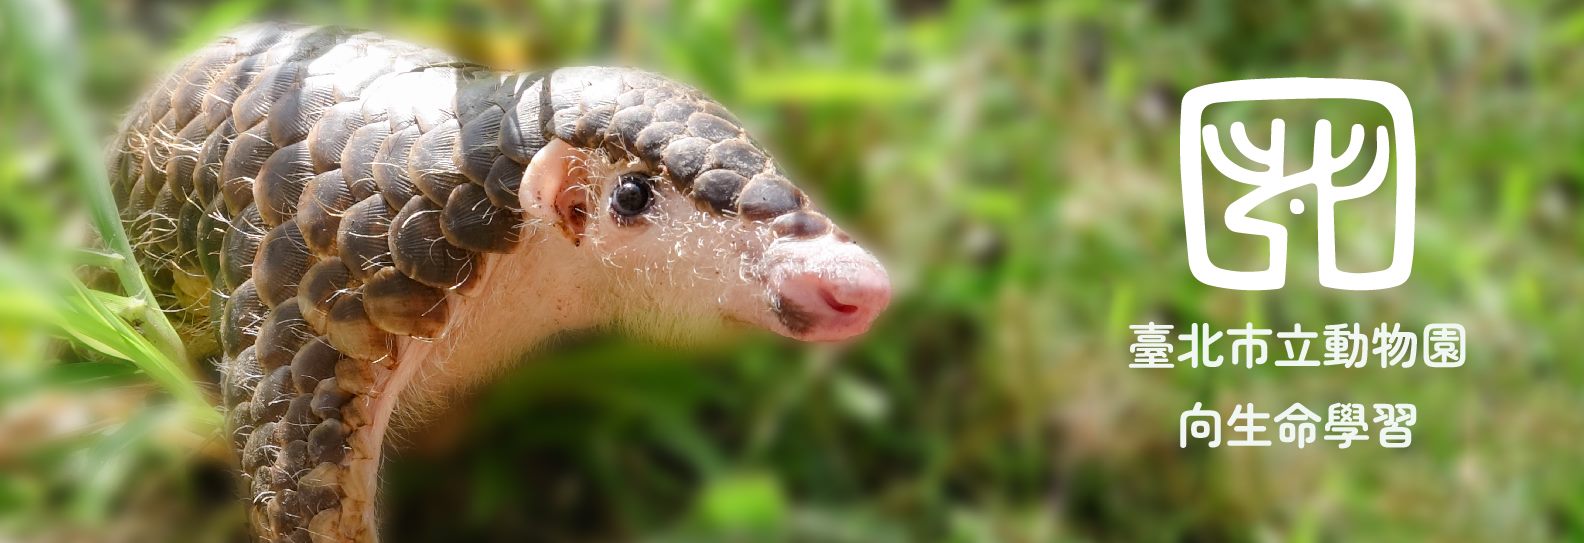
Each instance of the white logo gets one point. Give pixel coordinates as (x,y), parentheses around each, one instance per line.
(1274,181)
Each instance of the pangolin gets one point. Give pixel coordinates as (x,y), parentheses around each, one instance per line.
(348,225)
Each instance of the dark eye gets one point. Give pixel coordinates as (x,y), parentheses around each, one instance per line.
(632,195)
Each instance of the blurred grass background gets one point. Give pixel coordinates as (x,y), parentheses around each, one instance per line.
(1016,166)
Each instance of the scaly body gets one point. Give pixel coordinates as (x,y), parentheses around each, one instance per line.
(350,224)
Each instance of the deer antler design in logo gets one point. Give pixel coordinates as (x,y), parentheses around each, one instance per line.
(1274,181)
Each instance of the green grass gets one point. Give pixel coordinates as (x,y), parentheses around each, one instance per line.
(1014,164)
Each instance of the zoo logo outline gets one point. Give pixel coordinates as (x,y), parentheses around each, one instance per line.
(1197,138)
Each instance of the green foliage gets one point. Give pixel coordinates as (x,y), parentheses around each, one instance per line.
(67,461)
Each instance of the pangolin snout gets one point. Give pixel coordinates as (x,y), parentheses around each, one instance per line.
(826,288)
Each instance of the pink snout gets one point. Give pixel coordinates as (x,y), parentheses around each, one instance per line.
(826,289)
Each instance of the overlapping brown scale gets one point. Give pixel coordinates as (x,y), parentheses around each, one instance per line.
(390,166)
(414,57)
(320,288)
(363,241)
(294,426)
(254,104)
(210,240)
(282,259)
(184,135)
(188,96)
(163,139)
(187,231)
(359,412)
(328,138)
(684,158)
(217,308)
(736,154)
(716,190)
(641,80)
(378,96)
(432,165)
(286,519)
(767,196)
(157,145)
(242,163)
(239,421)
(244,314)
(315,362)
(564,125)
(162,220)
(493,90)
(281,335)
(478,142)
(429,96)
(420,250)
(294,115)
(211,156)
(350,331)
(663,92)
(586,87)
(701,146)
(653,139)
(800,225)
(711,127)
(238,377)
(260,449)
(400,305)
(319,486)
(357,159)
(324,200)
(281,522)
(124,166)
(674,111)
(256,38)
(141,198)
(470,221)
(503,182)
(522,133)
(628,122)
(348,50)
(159,103)
(190,183)
(227,86)
(327,441)
(240,247)
(328,398)
(354,377)
(280,183)
(354,79)
(241,426)
(300,516)
(315,42)
(269,403)
(699,143)
(179,169)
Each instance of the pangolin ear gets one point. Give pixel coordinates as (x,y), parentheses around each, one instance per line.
(556,189)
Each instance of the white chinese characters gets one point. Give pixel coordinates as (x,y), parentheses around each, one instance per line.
(1345,345)
(1343,425)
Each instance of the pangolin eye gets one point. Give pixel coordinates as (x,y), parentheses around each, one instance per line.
(632,195)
